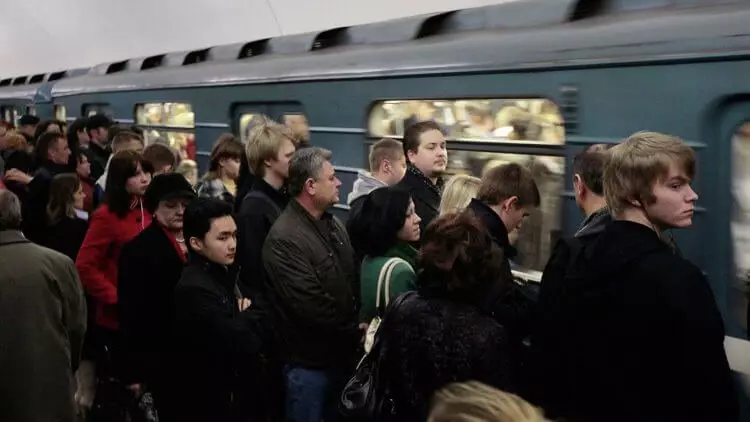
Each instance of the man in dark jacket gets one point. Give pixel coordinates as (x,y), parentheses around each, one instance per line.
(588,170)
(628,330)
(312,285)
(217,333)
(43,316)
(98,151)
(427,157)
(51,155)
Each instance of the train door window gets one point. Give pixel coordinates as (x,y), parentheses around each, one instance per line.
(245,124)
(173,123)
(31,110)
(740,222)
(7,113)
(482,134)
(60,113)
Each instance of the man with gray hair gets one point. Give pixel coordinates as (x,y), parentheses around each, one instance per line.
(312,285)
(43,314)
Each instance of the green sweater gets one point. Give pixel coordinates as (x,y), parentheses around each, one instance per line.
(402,279)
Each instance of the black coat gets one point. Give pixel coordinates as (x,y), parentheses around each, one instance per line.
(35,207)
(258,211)
(312,285)
(148,271)
(426,196)
(629,331)
(66,236)
(432,340)
(214,345)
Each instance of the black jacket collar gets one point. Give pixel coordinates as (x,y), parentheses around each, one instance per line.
(224,276)
(278,196)
(494,225)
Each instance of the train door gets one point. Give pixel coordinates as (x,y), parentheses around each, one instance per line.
(731,278)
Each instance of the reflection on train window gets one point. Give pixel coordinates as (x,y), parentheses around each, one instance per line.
(155,117)
(31,110)
(542,228)
(178,115)
(488,120)
(245,120)
(740,224)
(60,113)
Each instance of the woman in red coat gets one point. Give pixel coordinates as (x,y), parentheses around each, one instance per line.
(120,218)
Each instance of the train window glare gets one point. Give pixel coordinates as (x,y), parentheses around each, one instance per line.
(60,113)
(476,120)
(245,120)
(740,226)
(178,115)
(542,228)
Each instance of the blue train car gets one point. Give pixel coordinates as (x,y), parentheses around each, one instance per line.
(533,81)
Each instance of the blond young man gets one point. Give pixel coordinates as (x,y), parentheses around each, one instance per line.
(627,328)
(387,167)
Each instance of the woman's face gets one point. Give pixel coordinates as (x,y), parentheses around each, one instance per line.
(410,231)
(137,184)
(78,198)
(231,168)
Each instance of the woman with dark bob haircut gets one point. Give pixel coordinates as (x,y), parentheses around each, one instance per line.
(382,232)
(442,334)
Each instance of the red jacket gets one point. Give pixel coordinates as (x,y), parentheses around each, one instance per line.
(97,259)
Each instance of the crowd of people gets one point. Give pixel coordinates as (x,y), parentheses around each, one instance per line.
(131,289)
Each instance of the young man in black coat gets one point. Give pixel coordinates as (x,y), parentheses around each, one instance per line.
(217,334)
(427,159)
(150,266)
(628,330)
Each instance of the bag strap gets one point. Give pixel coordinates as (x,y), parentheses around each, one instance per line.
(386,271)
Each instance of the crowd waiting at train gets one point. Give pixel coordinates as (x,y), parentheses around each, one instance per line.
(129,286)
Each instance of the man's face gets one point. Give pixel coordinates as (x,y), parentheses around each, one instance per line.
(219,245)
(59,152)
(325,190)
(674,200)
(431,157)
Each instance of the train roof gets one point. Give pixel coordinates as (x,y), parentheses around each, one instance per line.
(529,34)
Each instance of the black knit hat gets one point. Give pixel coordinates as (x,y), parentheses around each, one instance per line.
(164,187)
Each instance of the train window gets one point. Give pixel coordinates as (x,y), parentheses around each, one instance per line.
(7,113)
(488,120)
(159,121)
(740,224)
(178,115)
(31,110)
(60,113)
(91,109)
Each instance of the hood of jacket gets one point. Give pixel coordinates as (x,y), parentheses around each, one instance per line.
(612,254)
(364,184)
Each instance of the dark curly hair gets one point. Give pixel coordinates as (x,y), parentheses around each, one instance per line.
(458,255)
(375,228)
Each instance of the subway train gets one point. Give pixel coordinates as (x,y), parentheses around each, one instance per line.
(531,81)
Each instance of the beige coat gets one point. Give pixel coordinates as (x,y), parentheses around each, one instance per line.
(42,324)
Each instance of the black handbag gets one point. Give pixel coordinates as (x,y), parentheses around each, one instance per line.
(366,396)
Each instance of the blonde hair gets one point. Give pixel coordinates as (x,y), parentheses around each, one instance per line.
(476,402)
(458,192)
(264,140)
(638,163)
(186,167)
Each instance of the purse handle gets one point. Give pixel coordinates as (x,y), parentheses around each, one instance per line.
(385,277)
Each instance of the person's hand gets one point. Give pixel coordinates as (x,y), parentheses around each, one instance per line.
(244,303)
(16,175)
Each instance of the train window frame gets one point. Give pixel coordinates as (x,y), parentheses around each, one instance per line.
(556,128)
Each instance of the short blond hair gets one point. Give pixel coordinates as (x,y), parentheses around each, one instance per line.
(638,163)
(476,402)
(458,192)
(264,140)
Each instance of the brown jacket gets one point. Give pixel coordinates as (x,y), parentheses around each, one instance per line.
(42,323)
(312,284)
